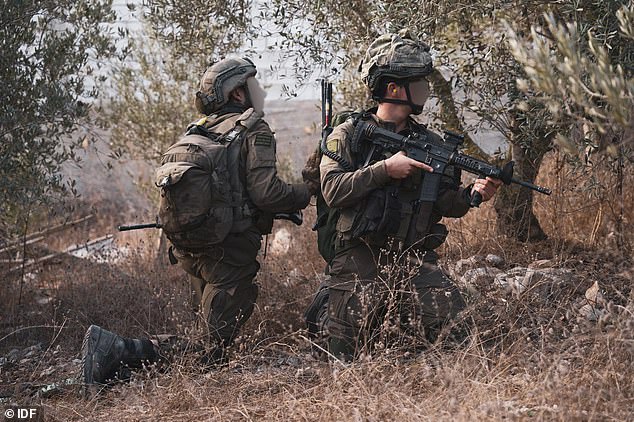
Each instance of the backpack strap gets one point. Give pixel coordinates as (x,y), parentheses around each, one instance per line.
(244,123)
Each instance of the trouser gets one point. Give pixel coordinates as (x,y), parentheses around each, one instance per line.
(222,281)
(372,288)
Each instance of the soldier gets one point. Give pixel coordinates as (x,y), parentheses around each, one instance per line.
(222,276)
(376,254)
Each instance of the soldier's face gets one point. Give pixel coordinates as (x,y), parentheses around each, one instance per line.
(419,90)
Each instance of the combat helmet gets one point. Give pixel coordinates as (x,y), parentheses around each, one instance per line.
(400,57)
(219,80)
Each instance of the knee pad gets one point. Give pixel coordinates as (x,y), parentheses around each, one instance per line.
(316,314)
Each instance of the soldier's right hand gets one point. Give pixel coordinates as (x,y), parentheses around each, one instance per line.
(310,174)
(399,166)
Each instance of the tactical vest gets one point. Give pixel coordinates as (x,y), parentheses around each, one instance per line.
(203,198)
(388,212)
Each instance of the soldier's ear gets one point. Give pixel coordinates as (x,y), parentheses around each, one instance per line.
(238,95)
(391,89)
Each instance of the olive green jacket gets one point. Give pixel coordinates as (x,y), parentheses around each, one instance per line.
(258,172)
(347,190)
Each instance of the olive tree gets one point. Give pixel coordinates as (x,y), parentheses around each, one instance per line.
(469,40)
(50,53)
(583,75)
(154,88)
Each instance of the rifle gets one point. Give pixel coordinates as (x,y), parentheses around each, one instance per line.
(438,156)
(326,125)
(295,217)
(156,225)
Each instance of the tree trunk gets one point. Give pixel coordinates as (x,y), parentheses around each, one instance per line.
(514,204)
(449,114)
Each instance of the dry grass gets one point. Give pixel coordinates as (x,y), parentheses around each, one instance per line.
(529,357)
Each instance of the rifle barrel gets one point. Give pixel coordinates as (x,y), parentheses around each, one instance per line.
(529,185)
(139,226)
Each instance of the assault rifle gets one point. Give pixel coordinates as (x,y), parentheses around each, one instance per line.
(438,155)
(295,217)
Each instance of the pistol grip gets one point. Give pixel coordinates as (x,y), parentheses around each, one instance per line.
(476,199)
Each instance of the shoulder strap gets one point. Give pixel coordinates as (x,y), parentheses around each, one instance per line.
(245,122)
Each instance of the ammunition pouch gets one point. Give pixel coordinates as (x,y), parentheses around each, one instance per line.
(380,213)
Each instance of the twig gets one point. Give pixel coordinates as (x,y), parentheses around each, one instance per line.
(71,249)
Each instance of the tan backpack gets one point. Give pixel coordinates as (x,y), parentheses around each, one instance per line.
(202,197)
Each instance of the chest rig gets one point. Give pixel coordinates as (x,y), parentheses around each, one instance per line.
(393,211)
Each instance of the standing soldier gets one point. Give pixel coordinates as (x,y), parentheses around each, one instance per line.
(222,274)
(382,233)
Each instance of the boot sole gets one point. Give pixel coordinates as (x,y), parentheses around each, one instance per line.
(89,388)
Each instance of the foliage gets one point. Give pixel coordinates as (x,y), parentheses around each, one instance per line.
(50,50)
(155,86)
(585,79)
(581,71)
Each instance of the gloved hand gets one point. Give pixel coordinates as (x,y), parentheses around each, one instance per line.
(310,174)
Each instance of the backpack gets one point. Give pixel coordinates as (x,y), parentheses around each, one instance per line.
(202,199)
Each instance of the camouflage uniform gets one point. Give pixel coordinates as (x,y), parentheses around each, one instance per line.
(364,268)
(223,275)
(387,269)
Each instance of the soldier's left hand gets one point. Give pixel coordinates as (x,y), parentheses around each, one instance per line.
(486,187)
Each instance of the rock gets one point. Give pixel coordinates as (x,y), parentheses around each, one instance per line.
(33,350)
(510,280)
(479,275)
(476,277)
(462,265)
(495,260)
(281,242)
(519,279)
(14,355)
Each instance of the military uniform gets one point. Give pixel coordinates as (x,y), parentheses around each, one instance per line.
(223,275)
(222,272)
(368,267)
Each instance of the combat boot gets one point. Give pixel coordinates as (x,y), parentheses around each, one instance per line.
(105,354)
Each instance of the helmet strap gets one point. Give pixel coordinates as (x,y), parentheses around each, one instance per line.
(248,95)
(416,109)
